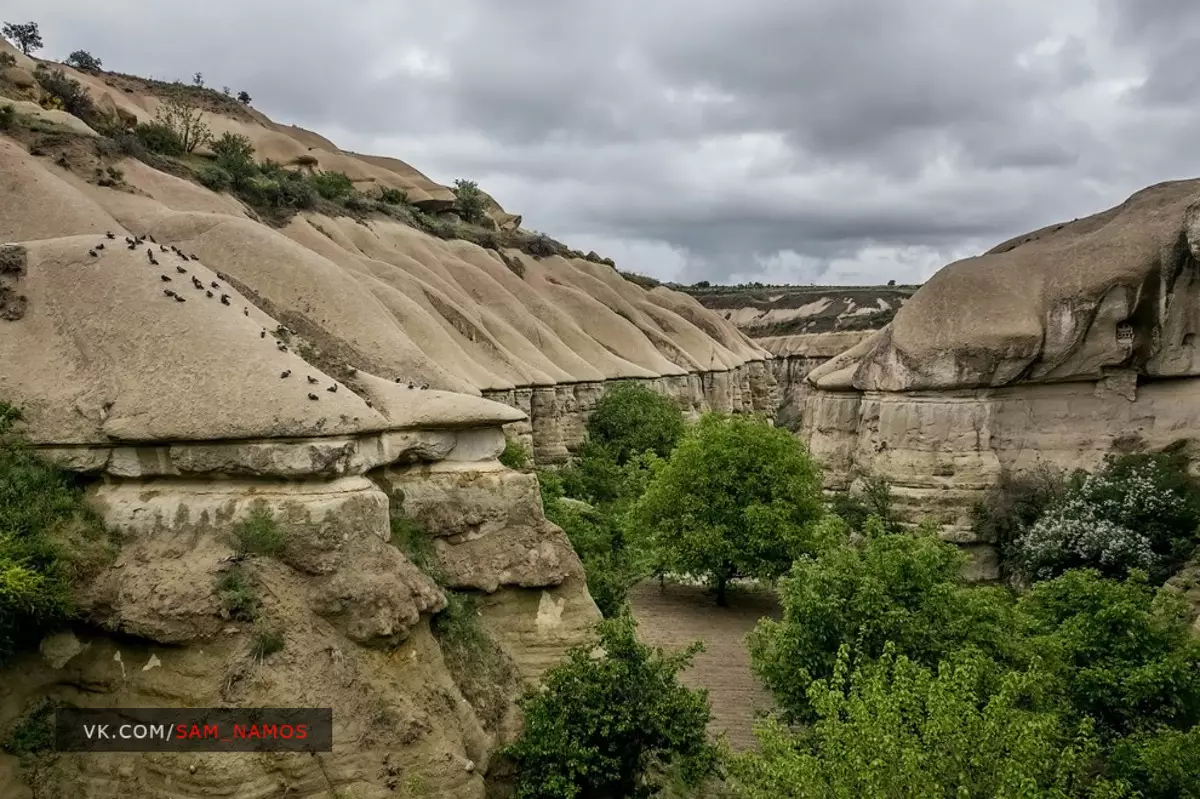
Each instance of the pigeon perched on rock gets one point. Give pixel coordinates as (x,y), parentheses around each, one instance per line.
(100,246)
(312,396)
(93,253)
(312,379)
(285,373)
(110,235)
(332,389)
(165,279)
(224,299)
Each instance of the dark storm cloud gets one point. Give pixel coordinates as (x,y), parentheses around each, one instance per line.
(796,139)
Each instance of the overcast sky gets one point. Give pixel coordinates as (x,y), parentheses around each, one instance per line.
(839,141)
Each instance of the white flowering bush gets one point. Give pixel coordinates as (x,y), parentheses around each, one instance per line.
(1138,512)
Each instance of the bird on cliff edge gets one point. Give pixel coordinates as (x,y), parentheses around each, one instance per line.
(285,373)
(165,279)
(313,396)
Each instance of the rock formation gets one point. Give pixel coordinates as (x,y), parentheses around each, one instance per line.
(1055,347)
(197,365)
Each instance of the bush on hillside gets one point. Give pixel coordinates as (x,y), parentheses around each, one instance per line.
(737,498)
(159,138)
(24,35)
(897,727)
(69,92)
(235,155)
(1137,512)
(8,117)
(332,185)
(631,419)
(83,61)
(470,201)
(50,541)
(214,178)
(393,196)
(243,97)
(182,114)
(611,720)
(899,590)
(515,455)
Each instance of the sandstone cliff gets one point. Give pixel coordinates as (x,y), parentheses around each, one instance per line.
(198,364)
(1054,348)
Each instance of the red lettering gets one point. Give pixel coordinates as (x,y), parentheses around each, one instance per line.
(301,732)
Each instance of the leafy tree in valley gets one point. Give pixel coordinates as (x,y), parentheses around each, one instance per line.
(737,497)
(631,419)
(610,721)
(897,728)
(902,591)
(1122,650)
(24,35)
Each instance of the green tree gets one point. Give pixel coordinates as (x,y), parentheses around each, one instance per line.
(610,720)
(1123,651)
(470,201)
(894,728)
(24,35)
(235,155)
(83,61)
(631,419)
(738,497)
(897,590)
(611,565)
(185,118)
(243,97)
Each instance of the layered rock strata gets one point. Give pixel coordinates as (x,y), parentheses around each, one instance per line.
(1056,347)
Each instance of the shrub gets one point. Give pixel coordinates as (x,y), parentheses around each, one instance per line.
(214,178)
(332,185)
(1160,764)
(359,202)
(610,719)
(1122,650)
(69,92)
(7,60)
(8,117)
(393,196)
(631,419)
(50,541)
(515,455)
(873,498)
(159,138)
(737,498)
(1005,515)
(902,590)
(259,534)
(235,155)
(182,115)
(243,97)
(34,732)
(897,728)
(24,35)
(238,596)
(1137,512)
(267,642)
(470,201)
(83,61)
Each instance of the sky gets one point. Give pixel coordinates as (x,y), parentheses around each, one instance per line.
(781,141)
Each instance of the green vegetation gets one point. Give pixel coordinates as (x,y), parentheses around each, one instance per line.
(267,642)
(8,117)
(611,721)
(737,498)
(630,419)
(24,35)
(483,672)
(259,534)
(411,538)
(68,92)
(50,541)
(33,734)
(393,196)
(238,595)
(332,185)
(896,591)
(84,61)
(515,455)
(160,138)
(184,117)
(470,202)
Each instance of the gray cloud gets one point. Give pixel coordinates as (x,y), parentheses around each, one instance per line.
(766,139)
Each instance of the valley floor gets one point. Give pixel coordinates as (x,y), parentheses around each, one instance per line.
(675,615)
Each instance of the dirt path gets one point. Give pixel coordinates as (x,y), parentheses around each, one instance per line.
(674,617)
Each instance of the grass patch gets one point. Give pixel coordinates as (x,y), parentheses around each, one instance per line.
(267,642)
(259,534)
(515,455)
(410,537)
(34,733)
(238,595)
(51,541)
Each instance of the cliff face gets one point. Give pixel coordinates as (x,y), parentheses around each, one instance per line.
(198,364)
(1056,347)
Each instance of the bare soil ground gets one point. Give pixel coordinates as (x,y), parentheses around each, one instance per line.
(674,617)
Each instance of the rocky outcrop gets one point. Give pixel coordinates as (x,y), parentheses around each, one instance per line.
(1056,347)
(793,358)
(784,311)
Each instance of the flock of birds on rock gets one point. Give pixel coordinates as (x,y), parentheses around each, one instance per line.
(137,241)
